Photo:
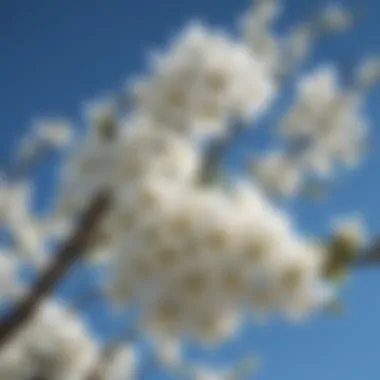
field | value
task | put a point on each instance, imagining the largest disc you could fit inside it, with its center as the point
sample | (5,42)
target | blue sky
(55,54)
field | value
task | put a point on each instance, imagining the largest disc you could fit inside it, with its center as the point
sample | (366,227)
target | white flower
(204,79)
(123,364)
(192,259)
(315,93)
(295,47)
(336,18)
(9,265)
(256,26)
(368,72)
(24,228)
(169,353)
(278,174)
(15,201)
(351,230)
(326,124)
(299,287)
(45,133)
(57,344)
(145,149)
(29,239)
(262,14)
(13,363)
(88,170)
(53,344)
(55,132)
(102,120)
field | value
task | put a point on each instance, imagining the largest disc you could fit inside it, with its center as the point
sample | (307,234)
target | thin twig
(369,259)
(70,252)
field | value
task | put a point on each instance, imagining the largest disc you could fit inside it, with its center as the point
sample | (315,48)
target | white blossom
(53,344)
(256,27)
(9,281)
(46,133)
(55,132)
(335,17)
(204,79)
(24,228)
(123,364)
(13,363)
(326,123)
(57,344)
(278,173)
(351,230)
(296,47)
(193,261)
(368,73)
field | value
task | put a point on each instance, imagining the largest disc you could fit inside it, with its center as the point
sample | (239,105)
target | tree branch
(369,258)
(70,252)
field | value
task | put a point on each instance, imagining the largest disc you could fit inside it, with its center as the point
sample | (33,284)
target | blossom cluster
(54,344)
(204,80)
(330,118)
(325,128)
(193,257)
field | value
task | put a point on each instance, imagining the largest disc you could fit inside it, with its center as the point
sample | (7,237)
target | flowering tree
(183,245)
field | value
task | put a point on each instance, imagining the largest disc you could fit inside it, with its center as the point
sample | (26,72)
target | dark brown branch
(371,258)
(69,253)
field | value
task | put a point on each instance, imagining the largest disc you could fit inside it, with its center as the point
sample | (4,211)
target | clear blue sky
(54,54)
